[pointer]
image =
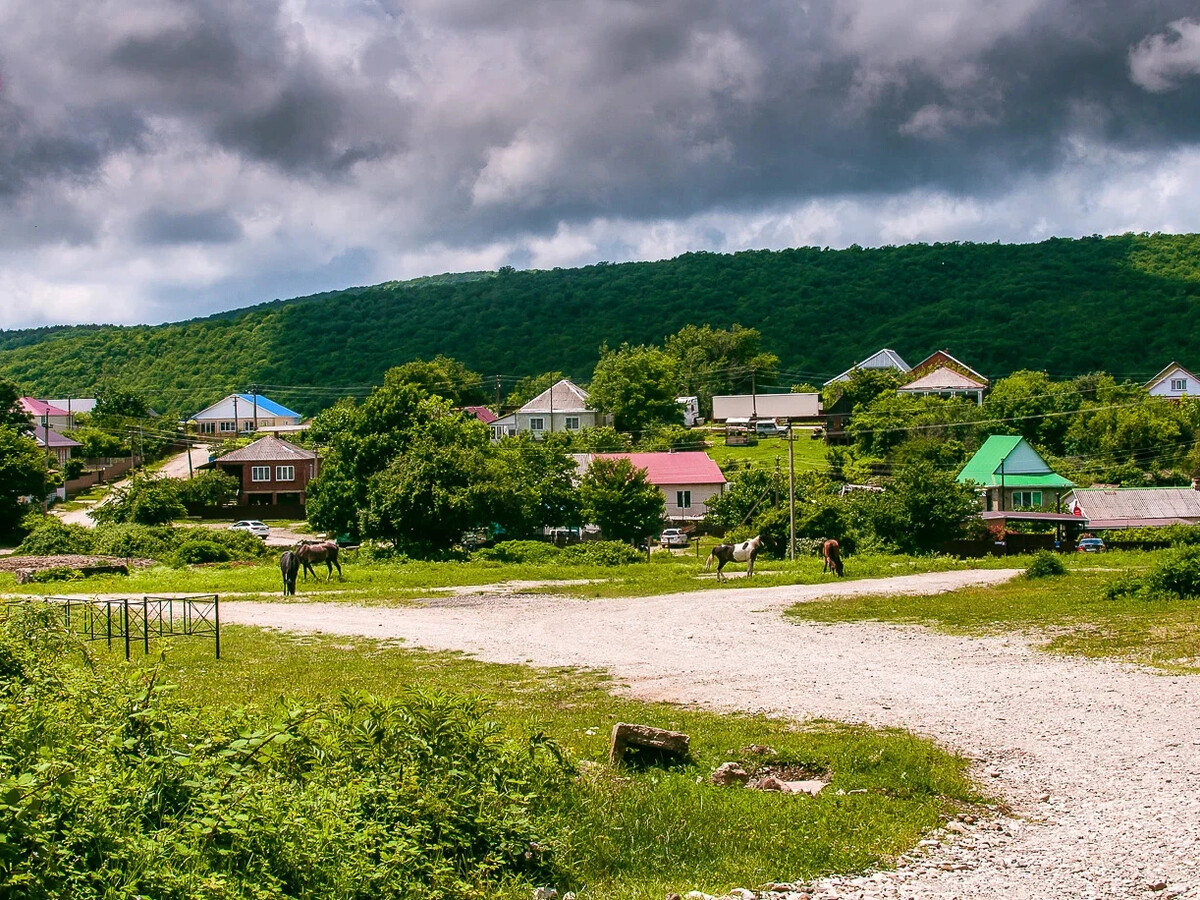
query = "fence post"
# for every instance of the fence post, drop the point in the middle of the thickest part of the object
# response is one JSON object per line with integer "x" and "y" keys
{"x": 126, "y": 628}
{"x": 145, "y": 626}
{"x": 108, "y": 616}
{"x": 217, "y": 622}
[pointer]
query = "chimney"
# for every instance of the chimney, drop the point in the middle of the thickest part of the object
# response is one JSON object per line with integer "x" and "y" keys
{"x": 1196, "y": 483}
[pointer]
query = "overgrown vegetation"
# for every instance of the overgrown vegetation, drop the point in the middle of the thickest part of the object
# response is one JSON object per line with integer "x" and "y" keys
{"x": 174, "y": 545}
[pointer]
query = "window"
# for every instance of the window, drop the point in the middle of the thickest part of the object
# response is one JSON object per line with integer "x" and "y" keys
{"x": 1179, "y": 384}
{"x": 1027, "y": 498}
{"x": 260, "y": 473}
{"x": 285, "y": 473}
{"x": 248, "y": 425}
{"x": 228, "y": 427}
{"x": 207, "y": 428}
{"x": 538, "y": 424}
{"x": 571, "y": 423}
{"x": 683, "y": 499}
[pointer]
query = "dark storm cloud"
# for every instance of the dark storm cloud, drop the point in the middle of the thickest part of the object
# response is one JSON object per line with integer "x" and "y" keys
{"x": 164, "y": 227}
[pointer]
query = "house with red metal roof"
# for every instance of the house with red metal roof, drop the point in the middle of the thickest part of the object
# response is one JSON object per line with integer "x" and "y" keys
{"x": 688, "y": 479}
{"x": 42, "y": 413}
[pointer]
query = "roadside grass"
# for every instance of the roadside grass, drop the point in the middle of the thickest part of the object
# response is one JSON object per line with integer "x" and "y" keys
{"x": 385, "y": 582}
{"x": 1065, "y": 614}
{"x": 639, "y": 832}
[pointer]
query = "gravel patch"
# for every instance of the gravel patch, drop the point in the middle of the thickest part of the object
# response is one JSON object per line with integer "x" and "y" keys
{"x": 1099, "y": 761}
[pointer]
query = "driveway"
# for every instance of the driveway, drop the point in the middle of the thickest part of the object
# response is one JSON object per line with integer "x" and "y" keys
{"x": 1099, "y": 760}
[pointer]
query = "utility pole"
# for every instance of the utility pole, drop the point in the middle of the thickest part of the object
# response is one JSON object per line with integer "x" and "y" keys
{"x": 254, "y": 388}
{"x": 754, "y": 393}
{"x": 497, "y": 395}
{"x": 235, "y": 416}
{"x": 791, "y": 493}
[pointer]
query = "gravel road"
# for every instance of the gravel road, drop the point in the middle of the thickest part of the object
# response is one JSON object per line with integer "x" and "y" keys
{"x": 1099, "y": 761}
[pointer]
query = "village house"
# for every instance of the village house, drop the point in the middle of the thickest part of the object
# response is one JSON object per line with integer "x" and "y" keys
{"x": 44, "y": 413}
{"x": 243, "y": 414}
{"x": 941, "y": 375}
{"x": 562, "y": 407}
{"x": 62, "y": 447}
{"x": 1174, "y": 382}
{"x": 1114, "y": 507}
{"x": 270, "y": 472}
{"x": 880, "y": 359}
{"x": 688, "y": 479}
{"x": 1011, "y": 475}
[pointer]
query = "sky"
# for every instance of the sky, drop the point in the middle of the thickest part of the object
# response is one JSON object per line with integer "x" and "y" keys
{"x": 162, "y": 160}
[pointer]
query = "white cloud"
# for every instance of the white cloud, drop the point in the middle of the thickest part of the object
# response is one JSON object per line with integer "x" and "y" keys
{"x": 1161, "y": 61}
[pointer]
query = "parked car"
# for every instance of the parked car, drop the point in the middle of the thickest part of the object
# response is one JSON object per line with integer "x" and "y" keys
{"x": 769, "y": 428}
{"x": 255, "y": 527}
{"x": 1090, "y": 545}
{"x": 674, "y": 537}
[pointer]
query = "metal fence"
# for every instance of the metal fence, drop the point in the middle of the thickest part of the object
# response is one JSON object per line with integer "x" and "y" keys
{"x": 134, "y": 621}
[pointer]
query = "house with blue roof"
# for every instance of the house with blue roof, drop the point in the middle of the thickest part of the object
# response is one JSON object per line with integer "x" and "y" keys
{"x": 243, "y": 414}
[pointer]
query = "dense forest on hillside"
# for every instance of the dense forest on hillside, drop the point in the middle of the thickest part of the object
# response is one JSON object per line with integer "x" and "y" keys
{"x": 1127, "y": 305}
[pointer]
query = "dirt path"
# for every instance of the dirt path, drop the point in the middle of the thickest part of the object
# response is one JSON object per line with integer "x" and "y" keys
{"x": 1100, "y": 761}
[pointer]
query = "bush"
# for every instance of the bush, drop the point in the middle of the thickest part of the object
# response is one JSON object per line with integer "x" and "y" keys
{"x": 108, "y": 780}
{"x": 53, "y": 537}
{"x": 135, "y": 541}
{"x": 192, "y": 552}
{"x": 602, "y": 553}
{"x": 1045, "y": 565}
{"x": 1175, "y": 577}
{"x": 537, "y": 553}
{"x": 57, "y": 573}
{"x": 145, "y": 500}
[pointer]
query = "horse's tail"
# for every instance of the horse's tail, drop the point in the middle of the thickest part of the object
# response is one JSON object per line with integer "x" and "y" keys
{"x": 711, "y": 557}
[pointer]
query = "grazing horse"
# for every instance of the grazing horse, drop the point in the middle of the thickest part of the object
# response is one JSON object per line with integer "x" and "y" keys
{"x": 318, "y": 552}
{"x": 745, "y": 552}
{"x": 833, "y": 558}
{"x": 289, "y": 565}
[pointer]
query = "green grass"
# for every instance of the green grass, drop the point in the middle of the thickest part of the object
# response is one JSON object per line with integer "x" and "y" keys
{"x": 1067, "y": 614}
{"x": 638, "y": 832}
{"x": 381, "y": 582}
{"x": 810, "y": 454}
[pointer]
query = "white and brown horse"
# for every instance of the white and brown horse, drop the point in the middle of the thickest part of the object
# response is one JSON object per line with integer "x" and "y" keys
{"x": 833, "y": 558}
{"x": 746, "y": 551}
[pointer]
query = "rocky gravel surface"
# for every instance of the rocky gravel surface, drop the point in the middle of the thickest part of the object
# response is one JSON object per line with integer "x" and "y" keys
{"x": 1098, "y": 762}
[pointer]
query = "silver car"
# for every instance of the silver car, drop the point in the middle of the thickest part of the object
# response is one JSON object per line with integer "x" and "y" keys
{"x": 255, "y": 527}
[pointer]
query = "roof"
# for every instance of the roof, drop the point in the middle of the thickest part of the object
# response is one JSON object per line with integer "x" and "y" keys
{"x": 246, "y": 404}
{"x": 563, "y": 397}
{"x": 944, "y": 378}
{"x": 1125, "y": 507}
{"x": 39, "y": 408}
{"x": 880, "y": 359}
{"x": 265, "y": 449}
{"x": 940, "y": 359}
{"x": 1031, "y": 516}
{"x": 482, "y": 413}
{"x": 685, "y": 467}
{"x": 1011, "y": 461}
{"x": 48, "y": 437}
{"x": 1167, "y": 373}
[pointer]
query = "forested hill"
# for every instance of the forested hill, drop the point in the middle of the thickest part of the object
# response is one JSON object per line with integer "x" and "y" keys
{"x": 1128, "y": 305}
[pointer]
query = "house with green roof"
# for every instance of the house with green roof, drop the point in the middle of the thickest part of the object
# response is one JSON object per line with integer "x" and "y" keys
{"x": 1011, "y": 475}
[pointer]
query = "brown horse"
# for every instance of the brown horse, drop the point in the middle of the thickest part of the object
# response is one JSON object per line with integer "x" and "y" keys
{"x": 309, "y": 552}
{"x": 833, "y": 558}
{"x": 746, "y": 551}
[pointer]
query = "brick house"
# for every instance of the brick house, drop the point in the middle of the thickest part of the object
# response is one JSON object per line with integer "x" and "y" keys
{"x": 270, "y": 472}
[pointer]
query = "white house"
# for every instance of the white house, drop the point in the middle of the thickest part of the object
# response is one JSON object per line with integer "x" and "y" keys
{"x": 243, "y": 414}
{"x": 44, "y": 413}
{"x": 562, "y": 407}
{"x": 1174, "y": 382}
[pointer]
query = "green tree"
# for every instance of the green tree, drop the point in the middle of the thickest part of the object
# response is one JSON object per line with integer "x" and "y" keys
{"x": 144, "y": 500}
{"x": 23, "y": 474}
{"x": 719, "y": 361}
{"x": 533, "y": 486}
{"x": 861, "y": 388}
{"x": 1035, "y": 407}
{"x": 923, "y": 508}
{"x": 12, "y": 415}
{"x": 443, "y": 376}
{"x": 530, "y": 386}
{"x": 637, "y": 386}
{"x": 117, "y": 406}
{"x": 97, "y": 443}
{"x": 616, "y": 495}
{"x": 208, "y": 488}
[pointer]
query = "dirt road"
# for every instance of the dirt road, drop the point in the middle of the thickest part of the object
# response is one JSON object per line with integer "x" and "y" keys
{"x": 1100, "y": 761}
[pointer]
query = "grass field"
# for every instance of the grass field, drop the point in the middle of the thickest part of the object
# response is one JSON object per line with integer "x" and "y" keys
{"x": 810, "y": 454}
{"x": 1066, "y": 614}
{"x": 636, "y": 832}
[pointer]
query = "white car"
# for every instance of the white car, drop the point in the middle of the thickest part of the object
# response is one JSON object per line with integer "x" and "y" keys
{"x": 255, "y": 527}
{"x": 673, "y": 537}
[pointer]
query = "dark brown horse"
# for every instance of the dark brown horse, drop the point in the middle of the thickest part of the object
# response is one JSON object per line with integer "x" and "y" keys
{"x": 289, "y": 565}
{"x": 833, "y": 558}
{"x": 746, "y": 551}
{"x": 310, "y": 552}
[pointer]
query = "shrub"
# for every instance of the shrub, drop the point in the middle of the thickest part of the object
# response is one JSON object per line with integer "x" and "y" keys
{"x": 192, "y": 552}
{"x": 53, "y": 537}
{"x": 603, "y": 553}
{"x": 57, "y": 573}
{"x": 238, "y": 544}
{"x": 1176, "y": 576}
{"x": 135, "y": 541}
{"x": 145, "y": 500}
{"x": 531, "y": 552}
{"x": 108, "y": 780}
{"x": 1045, "y": 565}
